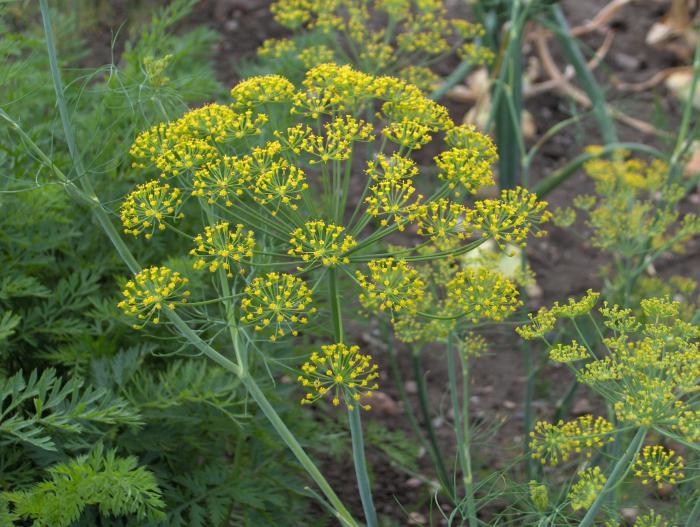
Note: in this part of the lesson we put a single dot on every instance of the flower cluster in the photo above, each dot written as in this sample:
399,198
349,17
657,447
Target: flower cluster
589,485
552,443
219,246
150,291
658,465
510,219
277,304
148,207
483,294
415,35
647,369
392,286
340,372
321,241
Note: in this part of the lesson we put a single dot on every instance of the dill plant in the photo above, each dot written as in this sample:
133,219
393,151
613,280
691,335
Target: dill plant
646,369
404,38
245,164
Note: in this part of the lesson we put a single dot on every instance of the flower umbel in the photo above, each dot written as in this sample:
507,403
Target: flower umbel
321,241
221,246
277,304
341,372
584,492
149,291
392,286
658,465
148,207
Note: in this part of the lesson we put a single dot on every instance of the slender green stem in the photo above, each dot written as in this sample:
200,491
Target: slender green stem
584,75
694,517
413,421
461,427
354,418
688,111
425,413
341,513
616,476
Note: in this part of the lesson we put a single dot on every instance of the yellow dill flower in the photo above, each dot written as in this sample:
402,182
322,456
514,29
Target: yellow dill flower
576,308
292,14
149,291
149,206
316,55
392,286
425,33
151,144
321,241
651,520
340,134
511,218
221,246
392,168
281,185
376,55
341,372
408,134
330,88
645,399
476,54
482,294
263,89
406,103
442,220
221,124
568,352
539,496
540,324
688,424
276,48
276,305
262,159
553,443
658,465
472,345
391,200
585,491
420,76
185,158
294,138
465,168
396,9
599,372
222,180
467,136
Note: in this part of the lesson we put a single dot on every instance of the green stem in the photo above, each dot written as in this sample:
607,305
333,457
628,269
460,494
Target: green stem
410,415
616,476
585,77
425,413
694,517
461,427
354,419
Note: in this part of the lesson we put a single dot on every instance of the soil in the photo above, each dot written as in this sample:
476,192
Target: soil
564,262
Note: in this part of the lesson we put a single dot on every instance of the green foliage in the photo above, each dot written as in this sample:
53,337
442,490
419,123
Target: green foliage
116,486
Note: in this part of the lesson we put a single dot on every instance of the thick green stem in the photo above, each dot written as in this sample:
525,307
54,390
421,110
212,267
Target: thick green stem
358,442
461,427
616,476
